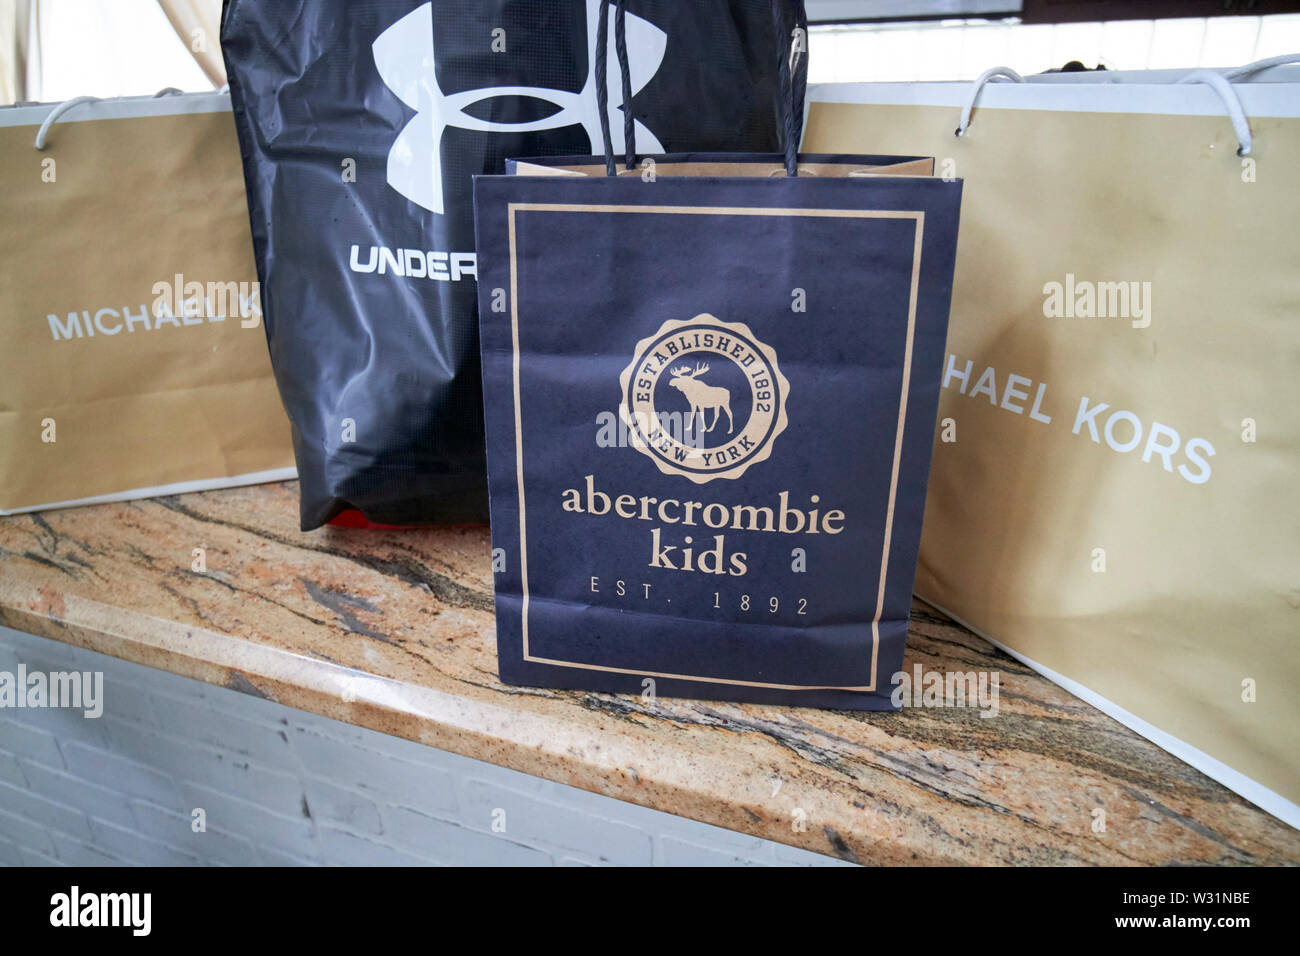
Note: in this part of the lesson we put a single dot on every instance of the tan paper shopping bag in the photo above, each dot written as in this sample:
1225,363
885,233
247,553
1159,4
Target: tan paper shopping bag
1113,495
132,357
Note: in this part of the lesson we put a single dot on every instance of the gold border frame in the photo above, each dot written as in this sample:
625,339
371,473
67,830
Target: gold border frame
918,216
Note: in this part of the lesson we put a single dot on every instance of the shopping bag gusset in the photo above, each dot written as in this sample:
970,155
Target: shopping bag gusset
710,406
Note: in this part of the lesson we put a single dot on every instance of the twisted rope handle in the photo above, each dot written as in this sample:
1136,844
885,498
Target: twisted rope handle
793,75
602,85
625,69
792,72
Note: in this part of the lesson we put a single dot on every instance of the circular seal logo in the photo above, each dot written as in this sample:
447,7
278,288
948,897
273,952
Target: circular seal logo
703,398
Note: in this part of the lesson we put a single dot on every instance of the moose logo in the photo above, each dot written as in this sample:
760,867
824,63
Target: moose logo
404,56
667,377
702,397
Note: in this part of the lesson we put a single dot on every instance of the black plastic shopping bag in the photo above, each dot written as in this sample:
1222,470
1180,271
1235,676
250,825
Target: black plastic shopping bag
361,125
710,409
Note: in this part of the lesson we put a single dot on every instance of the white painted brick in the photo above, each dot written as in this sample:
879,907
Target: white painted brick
419,786
25,740
225,771
396,747
39,810
348,849
328,727
278,792
110,804
798,856
212,845
450,843
24,832
9,855
224,700
127,702
338,805
18,639
131,846
681,853
270,856
59,722
10,771
553,824
248,820
268,744
120,773
362,737
657,821
170,744
42,654
36,858
75,853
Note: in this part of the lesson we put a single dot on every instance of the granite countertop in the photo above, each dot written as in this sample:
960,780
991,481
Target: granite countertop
394,631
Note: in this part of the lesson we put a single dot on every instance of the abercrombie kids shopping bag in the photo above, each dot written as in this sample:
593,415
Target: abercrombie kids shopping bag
710,407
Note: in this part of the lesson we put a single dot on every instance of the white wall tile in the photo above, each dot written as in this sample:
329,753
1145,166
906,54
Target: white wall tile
285,788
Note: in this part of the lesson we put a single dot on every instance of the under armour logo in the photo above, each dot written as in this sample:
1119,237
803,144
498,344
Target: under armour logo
404,56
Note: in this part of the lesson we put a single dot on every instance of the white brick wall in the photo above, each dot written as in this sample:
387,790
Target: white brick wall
287,788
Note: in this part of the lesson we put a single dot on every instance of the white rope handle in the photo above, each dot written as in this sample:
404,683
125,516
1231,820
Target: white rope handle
1236,113
56,113
66,105
994,73
1248,71
1221,83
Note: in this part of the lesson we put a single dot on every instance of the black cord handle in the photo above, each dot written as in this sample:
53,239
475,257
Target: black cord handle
792,72
602,85
793,75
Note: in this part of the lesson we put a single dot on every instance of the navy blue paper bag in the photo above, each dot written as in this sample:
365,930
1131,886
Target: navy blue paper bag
710,404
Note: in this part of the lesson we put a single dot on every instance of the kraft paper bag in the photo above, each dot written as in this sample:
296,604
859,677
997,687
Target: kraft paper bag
1113,495
134,361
